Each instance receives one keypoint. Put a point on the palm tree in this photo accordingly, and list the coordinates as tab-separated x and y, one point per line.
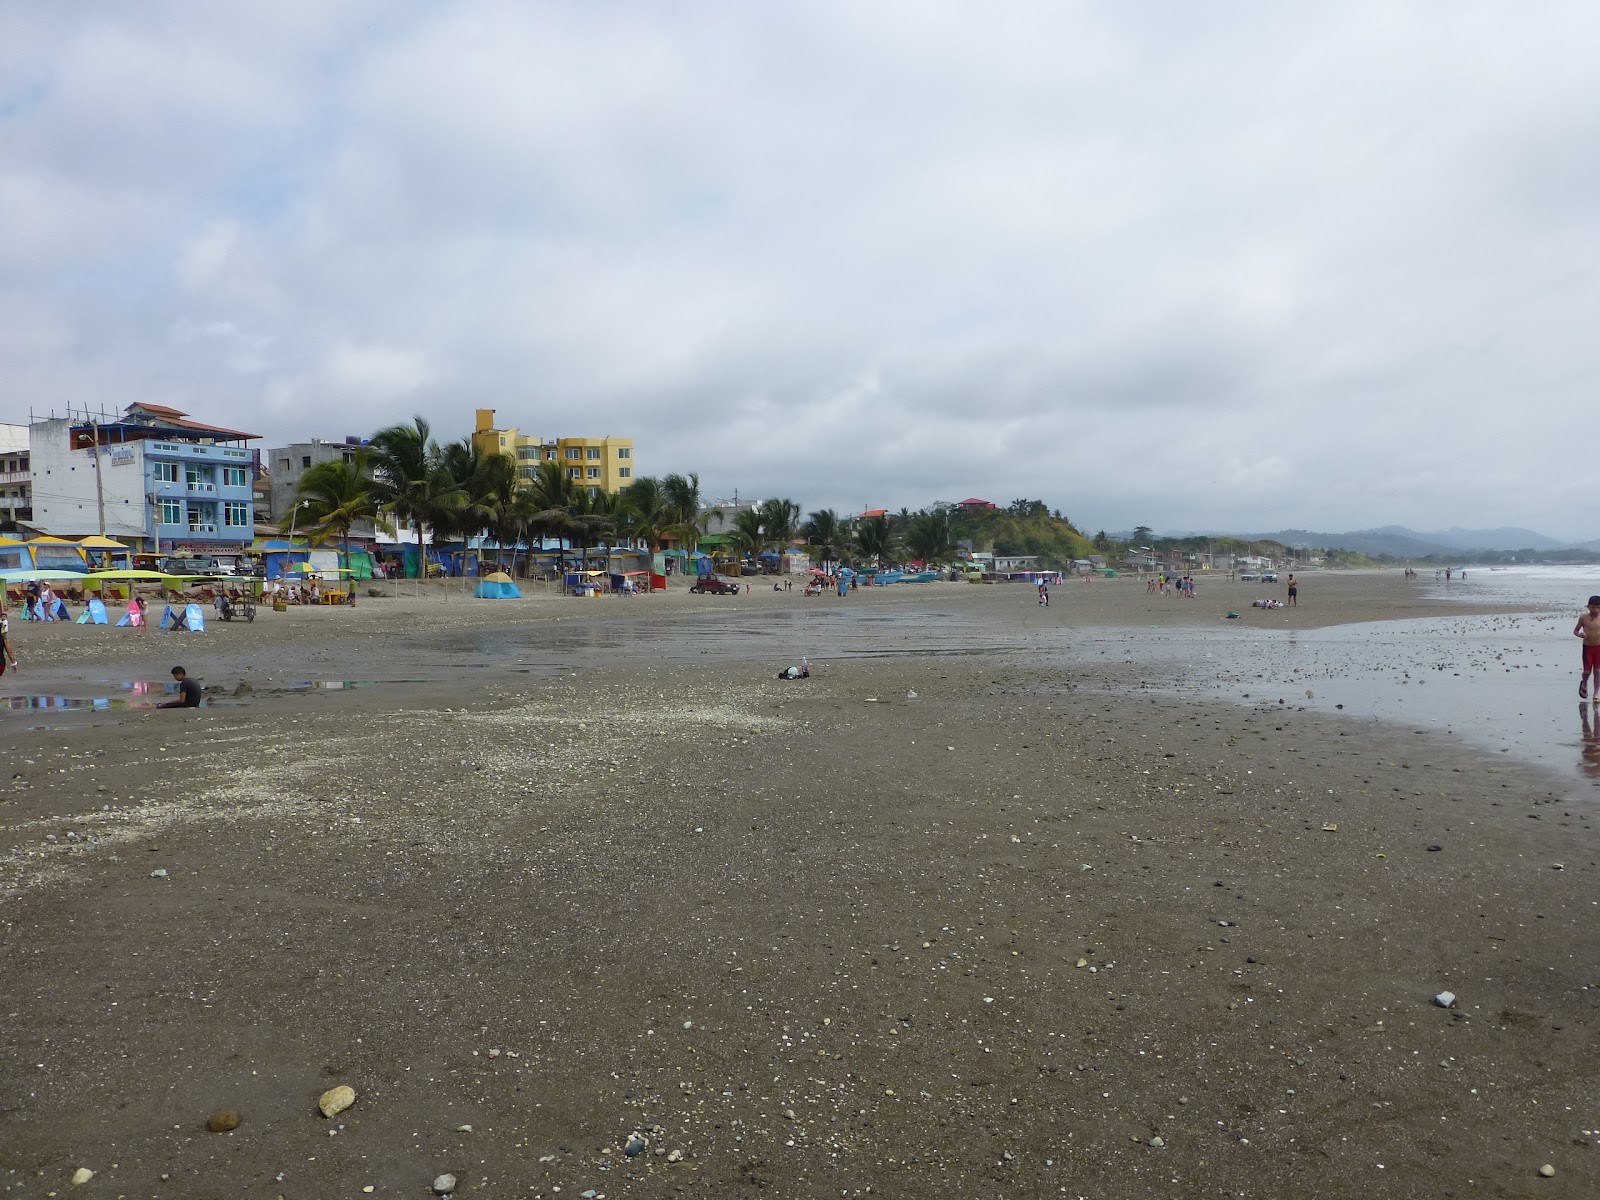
336	495
779	521
822	530
749	530
682	494
929	537
411	482
872	538
644	511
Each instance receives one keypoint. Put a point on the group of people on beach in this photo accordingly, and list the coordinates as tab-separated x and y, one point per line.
1169	585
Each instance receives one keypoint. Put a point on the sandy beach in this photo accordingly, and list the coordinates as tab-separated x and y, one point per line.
970	912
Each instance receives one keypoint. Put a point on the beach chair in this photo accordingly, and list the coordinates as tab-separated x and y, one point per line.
195	618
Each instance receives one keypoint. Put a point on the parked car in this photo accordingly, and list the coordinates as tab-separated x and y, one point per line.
719	585
190	565
1269	577
1249	577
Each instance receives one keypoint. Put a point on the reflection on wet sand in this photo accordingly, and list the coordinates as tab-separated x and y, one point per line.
1589	761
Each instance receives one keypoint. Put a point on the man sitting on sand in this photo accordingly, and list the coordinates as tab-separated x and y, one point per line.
1588	628
188	691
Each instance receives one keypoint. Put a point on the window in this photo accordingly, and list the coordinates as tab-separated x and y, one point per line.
594	472
283	464
234	477
195	476
574	452
235	514
171	512
624	452
625	472
305	462
574	472
527	453
166	472
593	452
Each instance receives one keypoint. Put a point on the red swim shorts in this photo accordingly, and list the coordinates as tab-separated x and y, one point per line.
1591	658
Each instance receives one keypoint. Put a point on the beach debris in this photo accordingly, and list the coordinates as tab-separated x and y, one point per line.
1435	848
1547	1171
1445	999
635	1145
444	1184
223	1121
159	873
335	1100
463	1128
1330	827
912	696
83	1175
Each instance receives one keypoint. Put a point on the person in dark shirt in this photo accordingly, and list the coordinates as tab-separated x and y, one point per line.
188	691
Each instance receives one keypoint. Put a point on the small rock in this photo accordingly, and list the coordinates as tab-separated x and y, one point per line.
675	1156
1445	999
444	1185
83	1175
1547	1171
789	1114
225	1121
1157	1142
463	1128
1435	848
589	1195
159	873
335	1100
635	1145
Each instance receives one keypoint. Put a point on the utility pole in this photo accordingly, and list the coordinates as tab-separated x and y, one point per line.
99	483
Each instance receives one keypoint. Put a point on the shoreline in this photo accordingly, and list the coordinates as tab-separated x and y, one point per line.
692	899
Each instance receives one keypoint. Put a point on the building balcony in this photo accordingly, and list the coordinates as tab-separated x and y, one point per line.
16	476
196	487
159	449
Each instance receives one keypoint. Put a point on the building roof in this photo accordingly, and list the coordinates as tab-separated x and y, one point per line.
973	500
875	512
177	420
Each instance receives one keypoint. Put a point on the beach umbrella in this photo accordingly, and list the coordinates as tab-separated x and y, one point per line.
128	574
22	574
97	542
47	540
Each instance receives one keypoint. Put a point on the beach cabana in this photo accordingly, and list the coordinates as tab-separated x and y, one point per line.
57	554
105	553
497	586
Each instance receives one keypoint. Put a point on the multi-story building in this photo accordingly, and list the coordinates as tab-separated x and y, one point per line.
152	478
16	478
601	464
286	464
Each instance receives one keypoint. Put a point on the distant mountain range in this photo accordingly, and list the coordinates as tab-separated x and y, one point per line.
1408	543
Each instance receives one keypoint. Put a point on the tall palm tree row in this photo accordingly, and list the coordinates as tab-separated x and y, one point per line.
824	530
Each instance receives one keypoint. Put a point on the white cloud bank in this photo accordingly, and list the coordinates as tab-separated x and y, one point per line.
1238	266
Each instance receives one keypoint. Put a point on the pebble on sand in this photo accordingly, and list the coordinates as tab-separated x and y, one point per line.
1547	1171
335	1100
225	1121
444	1185
1445	999
83	1175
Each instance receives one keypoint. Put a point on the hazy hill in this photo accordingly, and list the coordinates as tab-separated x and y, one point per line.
1401	542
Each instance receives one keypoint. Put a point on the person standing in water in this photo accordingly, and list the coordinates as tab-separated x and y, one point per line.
1588	628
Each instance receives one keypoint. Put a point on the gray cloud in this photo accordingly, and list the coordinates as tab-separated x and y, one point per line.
1162	264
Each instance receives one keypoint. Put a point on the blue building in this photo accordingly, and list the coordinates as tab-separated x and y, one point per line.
153	479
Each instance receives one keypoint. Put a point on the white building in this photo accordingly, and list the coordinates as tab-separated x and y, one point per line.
153	479
16	477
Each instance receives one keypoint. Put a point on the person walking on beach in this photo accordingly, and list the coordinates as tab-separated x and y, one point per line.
1588	628
1294	591
1044	594
6	657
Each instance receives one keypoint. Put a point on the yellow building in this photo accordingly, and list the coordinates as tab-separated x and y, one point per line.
600	464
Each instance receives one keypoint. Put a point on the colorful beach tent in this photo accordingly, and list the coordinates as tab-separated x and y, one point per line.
498	586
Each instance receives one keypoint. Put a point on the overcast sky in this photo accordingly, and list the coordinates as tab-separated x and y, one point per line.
1224	265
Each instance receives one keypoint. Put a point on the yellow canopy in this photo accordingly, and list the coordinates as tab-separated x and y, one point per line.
129	575
47	540
498	577
96	542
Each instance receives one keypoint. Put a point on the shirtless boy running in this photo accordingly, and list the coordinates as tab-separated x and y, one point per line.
1588	628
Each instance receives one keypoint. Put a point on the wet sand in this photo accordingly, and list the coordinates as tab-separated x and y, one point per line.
597	871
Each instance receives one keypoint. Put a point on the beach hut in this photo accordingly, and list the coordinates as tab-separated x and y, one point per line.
498	586
57	554
106	554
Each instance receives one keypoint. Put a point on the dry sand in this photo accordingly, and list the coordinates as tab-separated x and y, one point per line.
809	939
